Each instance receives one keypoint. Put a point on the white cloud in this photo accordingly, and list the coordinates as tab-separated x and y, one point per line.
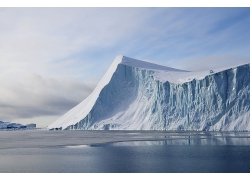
33	96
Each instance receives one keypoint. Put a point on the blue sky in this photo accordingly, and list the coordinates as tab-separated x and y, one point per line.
52	58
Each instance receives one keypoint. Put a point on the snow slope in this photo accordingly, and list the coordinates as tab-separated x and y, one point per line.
138	95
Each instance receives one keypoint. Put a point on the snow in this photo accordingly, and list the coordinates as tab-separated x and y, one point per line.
138	95
186	76
147	65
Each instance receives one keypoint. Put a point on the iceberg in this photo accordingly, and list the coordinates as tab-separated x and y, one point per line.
139	95
15	126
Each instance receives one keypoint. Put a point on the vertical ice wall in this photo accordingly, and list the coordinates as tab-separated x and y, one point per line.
134	99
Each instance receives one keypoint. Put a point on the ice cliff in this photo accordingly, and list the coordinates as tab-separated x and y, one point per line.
138	95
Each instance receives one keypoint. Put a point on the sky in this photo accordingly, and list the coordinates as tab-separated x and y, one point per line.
52	58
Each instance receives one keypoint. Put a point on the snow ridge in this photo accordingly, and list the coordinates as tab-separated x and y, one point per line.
81	110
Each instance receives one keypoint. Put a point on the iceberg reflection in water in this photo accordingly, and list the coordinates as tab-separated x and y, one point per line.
213	141
124	151
178	138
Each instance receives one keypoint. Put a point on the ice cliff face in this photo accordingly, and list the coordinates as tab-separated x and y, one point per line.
136	95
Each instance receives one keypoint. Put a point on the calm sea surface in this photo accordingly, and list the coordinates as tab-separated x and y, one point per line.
124	152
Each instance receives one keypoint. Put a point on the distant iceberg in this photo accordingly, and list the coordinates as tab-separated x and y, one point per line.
138	95
15	126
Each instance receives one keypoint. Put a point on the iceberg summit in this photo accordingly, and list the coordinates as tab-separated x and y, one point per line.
138	95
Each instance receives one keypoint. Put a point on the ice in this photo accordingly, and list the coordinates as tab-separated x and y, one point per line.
138	95
15	126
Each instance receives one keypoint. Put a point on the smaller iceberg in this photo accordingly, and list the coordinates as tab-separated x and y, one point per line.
15	126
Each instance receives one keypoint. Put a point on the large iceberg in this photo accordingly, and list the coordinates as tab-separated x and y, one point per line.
138	95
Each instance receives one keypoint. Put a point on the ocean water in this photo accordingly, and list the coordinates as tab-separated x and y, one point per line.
124	152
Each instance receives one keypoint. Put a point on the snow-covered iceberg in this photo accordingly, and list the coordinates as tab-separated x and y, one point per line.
15	126
138	95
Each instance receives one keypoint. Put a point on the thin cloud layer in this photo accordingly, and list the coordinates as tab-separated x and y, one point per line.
34	96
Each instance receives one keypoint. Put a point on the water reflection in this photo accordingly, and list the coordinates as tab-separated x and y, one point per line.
124	152
192	138
189	141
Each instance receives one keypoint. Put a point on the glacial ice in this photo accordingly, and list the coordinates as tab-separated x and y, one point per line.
138	95
15	126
